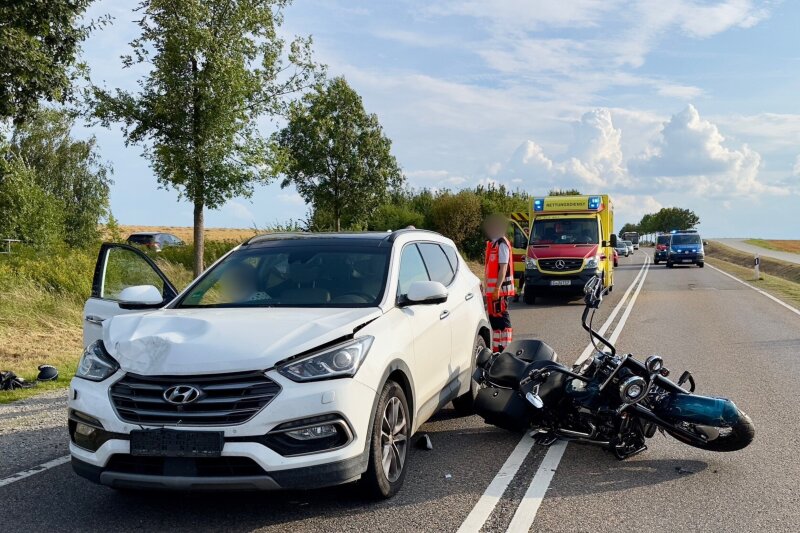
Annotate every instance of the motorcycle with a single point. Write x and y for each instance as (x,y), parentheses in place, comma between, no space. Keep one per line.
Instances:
(610,400)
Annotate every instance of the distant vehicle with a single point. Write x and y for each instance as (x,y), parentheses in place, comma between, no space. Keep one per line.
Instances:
(662,249)
(154,240)
(622,249)
(616,257)
(685,248)
(629,244)
(633,237)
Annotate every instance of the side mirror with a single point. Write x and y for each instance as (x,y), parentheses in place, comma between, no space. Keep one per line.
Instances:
(426,292)
(705,243)
(140,296)
(613,240)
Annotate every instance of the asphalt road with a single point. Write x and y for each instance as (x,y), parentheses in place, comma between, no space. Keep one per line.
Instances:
(737,343)
(743,246)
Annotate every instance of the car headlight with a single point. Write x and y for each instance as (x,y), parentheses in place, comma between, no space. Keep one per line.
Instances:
(96,364)
(594,262)
(340,361)
(530,263)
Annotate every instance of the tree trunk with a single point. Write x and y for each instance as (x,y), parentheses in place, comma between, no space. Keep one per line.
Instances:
(199,238)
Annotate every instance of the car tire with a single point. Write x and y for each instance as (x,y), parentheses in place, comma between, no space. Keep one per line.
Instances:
(701,264)
(655,261)
(392,420)
(529,296)
(669,264)
(465,404)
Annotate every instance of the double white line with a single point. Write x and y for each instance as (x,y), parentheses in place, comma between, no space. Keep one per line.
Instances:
(526,511)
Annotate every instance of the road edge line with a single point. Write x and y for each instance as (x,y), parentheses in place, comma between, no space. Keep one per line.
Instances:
(765,293)
(34,470)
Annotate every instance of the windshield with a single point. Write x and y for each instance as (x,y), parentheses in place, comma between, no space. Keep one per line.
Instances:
(685,239)
(628,243)
(565,231)
(663,239)
(294,276)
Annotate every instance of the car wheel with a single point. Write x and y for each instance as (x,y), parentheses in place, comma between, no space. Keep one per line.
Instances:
(389,444)
(465,404)
(655,261)
(529,296)
(669,264)
(701,265)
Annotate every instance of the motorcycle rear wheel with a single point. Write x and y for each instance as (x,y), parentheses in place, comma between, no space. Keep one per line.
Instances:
(725,439)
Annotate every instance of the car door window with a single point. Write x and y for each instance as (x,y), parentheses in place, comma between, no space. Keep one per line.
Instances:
(452,256)
(125,268)
(438,265)
(412,269)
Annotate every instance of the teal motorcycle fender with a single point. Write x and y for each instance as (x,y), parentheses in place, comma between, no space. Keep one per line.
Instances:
(701,410)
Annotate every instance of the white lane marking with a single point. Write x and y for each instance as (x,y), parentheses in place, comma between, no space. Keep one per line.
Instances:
(529,506)
(480,513)
(488,501)
(523,518)
(32,471)
(768,295)
(590,347)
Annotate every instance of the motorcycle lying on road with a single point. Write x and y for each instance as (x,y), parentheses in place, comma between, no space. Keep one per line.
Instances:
(609,400)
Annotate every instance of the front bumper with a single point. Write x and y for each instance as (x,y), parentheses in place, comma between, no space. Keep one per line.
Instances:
(256,465)
(688,258)
(564,282)
(660,255)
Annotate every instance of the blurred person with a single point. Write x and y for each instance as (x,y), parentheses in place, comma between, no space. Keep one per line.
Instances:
(499,280)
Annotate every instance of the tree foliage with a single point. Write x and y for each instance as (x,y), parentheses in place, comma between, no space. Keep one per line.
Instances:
(39,44)
(336,155)
(215,68)
(52,187)
(564,192)
(668,219)
(457,216)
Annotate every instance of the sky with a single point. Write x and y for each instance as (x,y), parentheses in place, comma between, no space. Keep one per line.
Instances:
(659,103)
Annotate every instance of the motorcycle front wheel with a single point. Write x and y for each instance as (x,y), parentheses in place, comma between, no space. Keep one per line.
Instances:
(719,439)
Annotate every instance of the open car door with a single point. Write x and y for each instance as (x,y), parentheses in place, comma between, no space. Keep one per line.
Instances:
(125,280)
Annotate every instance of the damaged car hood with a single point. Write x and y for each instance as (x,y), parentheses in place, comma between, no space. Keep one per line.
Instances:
(203,341)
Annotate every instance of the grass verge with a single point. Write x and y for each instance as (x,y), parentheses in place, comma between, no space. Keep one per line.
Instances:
(777,245)
(785,290)
(769,266)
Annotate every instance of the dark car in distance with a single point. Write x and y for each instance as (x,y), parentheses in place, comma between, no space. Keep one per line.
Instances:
(662,249)
(153,240)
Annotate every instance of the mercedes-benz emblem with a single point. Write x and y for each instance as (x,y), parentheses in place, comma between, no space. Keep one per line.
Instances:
(182,394)
(560,264)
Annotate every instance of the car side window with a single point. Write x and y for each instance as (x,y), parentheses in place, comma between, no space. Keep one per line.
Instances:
(412,269)
(438,265)
(452,256)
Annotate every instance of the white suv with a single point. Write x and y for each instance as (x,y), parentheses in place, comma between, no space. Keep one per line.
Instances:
(295,361)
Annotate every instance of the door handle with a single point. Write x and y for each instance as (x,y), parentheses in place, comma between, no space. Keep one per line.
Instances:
(92,319)
(469,296)
(444,314)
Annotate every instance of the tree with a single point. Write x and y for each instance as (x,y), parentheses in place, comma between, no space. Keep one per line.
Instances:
(629,228)
(39,44)
(336,155)
(457,216)
(216,66)
(671,218)
(564,192)
(52,186)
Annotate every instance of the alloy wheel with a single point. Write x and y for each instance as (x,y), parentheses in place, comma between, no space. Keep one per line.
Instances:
(394,439)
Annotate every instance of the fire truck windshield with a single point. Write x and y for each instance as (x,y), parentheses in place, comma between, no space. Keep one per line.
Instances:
(565,231)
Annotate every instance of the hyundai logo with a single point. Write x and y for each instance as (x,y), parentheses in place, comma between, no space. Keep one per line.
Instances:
(560,264)
(182,394)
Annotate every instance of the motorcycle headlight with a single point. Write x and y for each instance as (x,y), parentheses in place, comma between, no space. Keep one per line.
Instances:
(340,361)
(594,262)
(96,364)
(530,263)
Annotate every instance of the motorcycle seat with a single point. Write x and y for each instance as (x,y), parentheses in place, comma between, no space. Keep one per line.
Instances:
(508,369)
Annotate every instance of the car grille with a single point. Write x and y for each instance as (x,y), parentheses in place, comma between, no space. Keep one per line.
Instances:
(554,264)
(224,398)
(193,467)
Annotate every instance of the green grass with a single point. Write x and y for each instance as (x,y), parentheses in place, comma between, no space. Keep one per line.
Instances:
(785,290)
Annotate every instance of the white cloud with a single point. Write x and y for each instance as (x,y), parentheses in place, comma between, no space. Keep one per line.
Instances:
(437,179)
(692,154)
(239,211)
(293,198)
(796,168)
(631,208)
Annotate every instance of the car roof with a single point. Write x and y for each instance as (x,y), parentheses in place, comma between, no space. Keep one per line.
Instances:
(144,233)
(363,238)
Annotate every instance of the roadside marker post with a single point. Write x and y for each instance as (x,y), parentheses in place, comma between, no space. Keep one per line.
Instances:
(757,267)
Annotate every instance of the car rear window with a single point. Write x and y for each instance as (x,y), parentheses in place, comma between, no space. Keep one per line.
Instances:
(141,239)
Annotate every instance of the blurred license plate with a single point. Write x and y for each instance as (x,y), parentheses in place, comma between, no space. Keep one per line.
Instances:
(172,443)
(560,282)
(686,260)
